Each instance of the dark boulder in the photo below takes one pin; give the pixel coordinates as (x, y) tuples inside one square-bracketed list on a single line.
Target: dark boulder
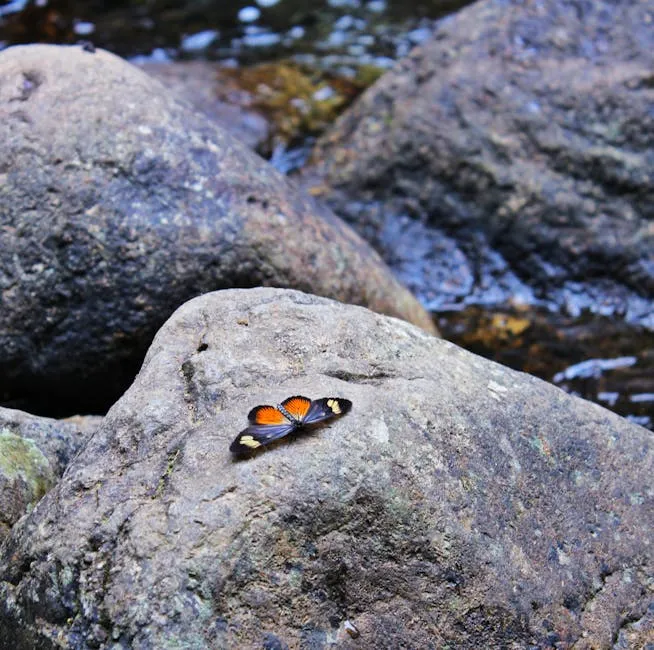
[(511, 154), (458, 504), (118, 202)]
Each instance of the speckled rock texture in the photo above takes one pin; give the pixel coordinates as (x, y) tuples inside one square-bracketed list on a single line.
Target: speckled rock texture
[(34, 453), (199, 82), (119, 202), (459, 504), (517, 149)]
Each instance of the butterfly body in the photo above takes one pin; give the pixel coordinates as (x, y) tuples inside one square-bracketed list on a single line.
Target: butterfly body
[(269, 423)]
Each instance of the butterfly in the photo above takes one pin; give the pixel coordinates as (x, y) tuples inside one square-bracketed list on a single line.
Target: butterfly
[(268, 423)]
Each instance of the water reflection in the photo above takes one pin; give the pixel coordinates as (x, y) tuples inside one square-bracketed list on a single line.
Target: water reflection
[(563, 349)]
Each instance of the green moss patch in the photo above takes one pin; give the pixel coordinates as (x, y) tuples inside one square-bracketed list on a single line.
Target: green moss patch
[(21, 458)]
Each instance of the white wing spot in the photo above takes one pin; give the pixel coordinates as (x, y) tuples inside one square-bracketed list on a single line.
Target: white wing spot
[(334, 405)]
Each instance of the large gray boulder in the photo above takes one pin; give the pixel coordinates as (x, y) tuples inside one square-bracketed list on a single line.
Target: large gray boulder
[(34, 452), (514, 152), (458, 504), (118, 203)]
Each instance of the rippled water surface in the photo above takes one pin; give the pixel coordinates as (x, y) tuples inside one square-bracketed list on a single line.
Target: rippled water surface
[(328, 32)]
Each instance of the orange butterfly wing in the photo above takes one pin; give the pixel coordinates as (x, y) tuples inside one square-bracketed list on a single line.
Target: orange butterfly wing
[(266, 415), (297, 406)]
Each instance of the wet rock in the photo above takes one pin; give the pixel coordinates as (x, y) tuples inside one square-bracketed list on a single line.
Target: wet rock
[(458, 504), (34, 452), (118, 203), (518, 143)]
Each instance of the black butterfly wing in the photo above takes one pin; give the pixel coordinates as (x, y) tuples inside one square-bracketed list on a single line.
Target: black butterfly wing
[(268, 423), (326, 408), (258, 435)]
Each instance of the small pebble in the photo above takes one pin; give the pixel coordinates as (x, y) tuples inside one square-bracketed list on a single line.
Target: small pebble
[(265, 39), (199, 41), (323, 94), (296, 32), (83, 28), (376, 6), (351, 629), (249, 14)]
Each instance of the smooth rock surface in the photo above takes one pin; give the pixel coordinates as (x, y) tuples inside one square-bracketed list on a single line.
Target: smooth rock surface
[(458, 504), (34, 453), (119, 202), (516, 148)]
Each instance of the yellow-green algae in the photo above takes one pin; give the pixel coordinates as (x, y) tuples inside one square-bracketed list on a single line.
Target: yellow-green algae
[(21, 458)]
